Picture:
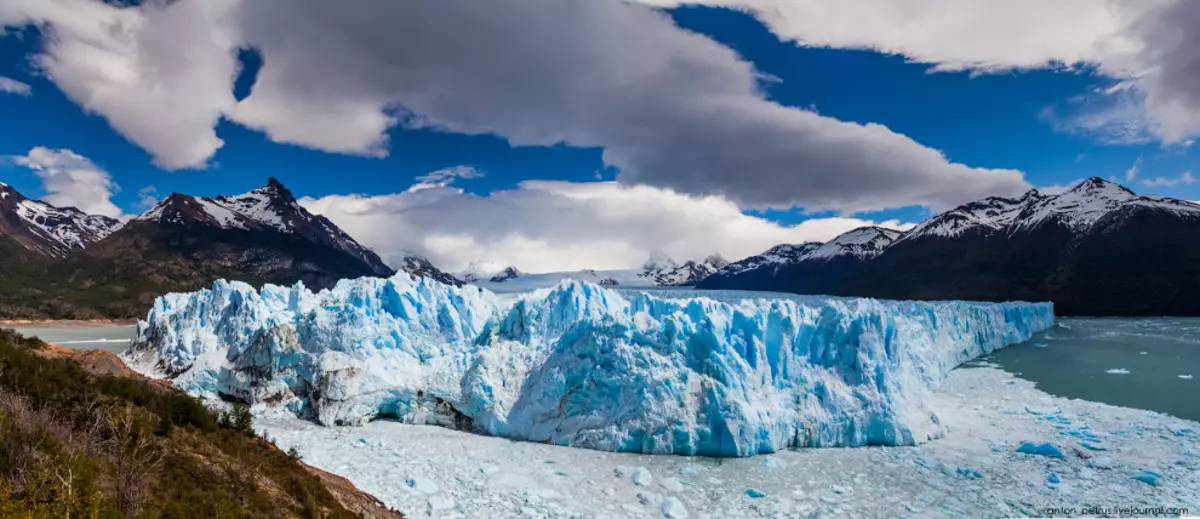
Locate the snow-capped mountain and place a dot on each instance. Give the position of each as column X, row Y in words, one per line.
column 1096, row 249
column 664, row 272
column 772, row 259
column 1078, row 209
column 420, row 266
column 268, row 209
column 862, row 243
column 48, row 230
column 658, row 271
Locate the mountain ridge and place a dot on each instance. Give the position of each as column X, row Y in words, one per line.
column 1034, row 248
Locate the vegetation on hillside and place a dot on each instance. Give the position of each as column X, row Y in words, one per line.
column 77, row 445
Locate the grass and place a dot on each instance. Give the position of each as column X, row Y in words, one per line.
column 76, row 445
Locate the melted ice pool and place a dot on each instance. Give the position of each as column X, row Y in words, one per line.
column 1147, row 363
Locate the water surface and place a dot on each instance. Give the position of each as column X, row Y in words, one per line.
column 114, row 338
column 1140, row 362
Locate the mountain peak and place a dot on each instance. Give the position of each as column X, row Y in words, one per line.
column 1096, row 185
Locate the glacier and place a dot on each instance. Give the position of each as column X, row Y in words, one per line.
column 579, row 364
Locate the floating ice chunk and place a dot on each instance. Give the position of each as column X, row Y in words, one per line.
column 773, row 462
column 1185, row 377
column 671, row 484
column 688, row 471
column 1041, row 449
column 641, row 477
column 422, row 484
column 439, row 504
column 1052, row 480
column 673, row 508
column 1143, row 353
column 755, row 493
column 1102, row 462
column 1117, row 371
column 1091, row 446
column 1148, row 477
column 1040, row 345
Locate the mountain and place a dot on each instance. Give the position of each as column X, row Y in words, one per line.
column 48, row 230
column 186, row 242
column 1097, row 249
column 664, row 272
column 813, row 267
column 420, row 266
column 659, row 270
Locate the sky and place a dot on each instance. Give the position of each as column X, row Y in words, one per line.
column 556, row 135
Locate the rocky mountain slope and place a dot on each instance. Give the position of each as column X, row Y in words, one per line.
column 186, row 242
column 1097, row 249
column 48, row 230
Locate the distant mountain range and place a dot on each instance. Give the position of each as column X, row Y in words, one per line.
column 67, row 264
column 1097, row 249
column 658, row 271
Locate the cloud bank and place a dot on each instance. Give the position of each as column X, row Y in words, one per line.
column 671, row 108
column 546, row 226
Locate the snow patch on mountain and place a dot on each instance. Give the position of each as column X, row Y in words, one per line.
column 659, row 270
column 55, row 231
column 579, row 364
column 773, row 258
column 861, row 243
column 1078, row 209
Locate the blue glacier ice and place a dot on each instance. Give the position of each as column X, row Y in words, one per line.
column 581, row 365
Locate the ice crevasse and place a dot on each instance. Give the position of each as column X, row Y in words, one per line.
column 579, row 364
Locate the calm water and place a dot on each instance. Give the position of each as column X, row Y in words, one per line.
column 84, row 337
column 1138, row 363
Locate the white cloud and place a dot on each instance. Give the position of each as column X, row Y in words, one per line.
column 1150, row 46
column 11, row 86
column 670, row 108
column 1132, row 172
column 446, row 177
column 545, row 226
column 147, row 197
column 71, row 180
column 161, row 74
column 1183, row 178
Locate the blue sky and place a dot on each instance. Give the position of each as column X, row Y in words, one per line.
column 1007, row 120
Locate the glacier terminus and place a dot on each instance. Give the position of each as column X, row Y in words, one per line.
column 581, row 365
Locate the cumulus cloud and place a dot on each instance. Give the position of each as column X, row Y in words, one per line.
column 71, row 180
column 1151, row 47
column 547, row 226
column 160, row 73
column 670, row 108
column 11, row 86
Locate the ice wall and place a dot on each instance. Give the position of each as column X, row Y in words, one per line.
column 579, row 364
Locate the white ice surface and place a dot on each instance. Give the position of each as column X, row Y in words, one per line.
column 988, row 413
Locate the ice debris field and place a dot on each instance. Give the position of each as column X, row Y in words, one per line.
column 581, row 365
column 1084, row 454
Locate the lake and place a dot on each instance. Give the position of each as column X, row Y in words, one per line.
column 1146, row 363
column 114, row 338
